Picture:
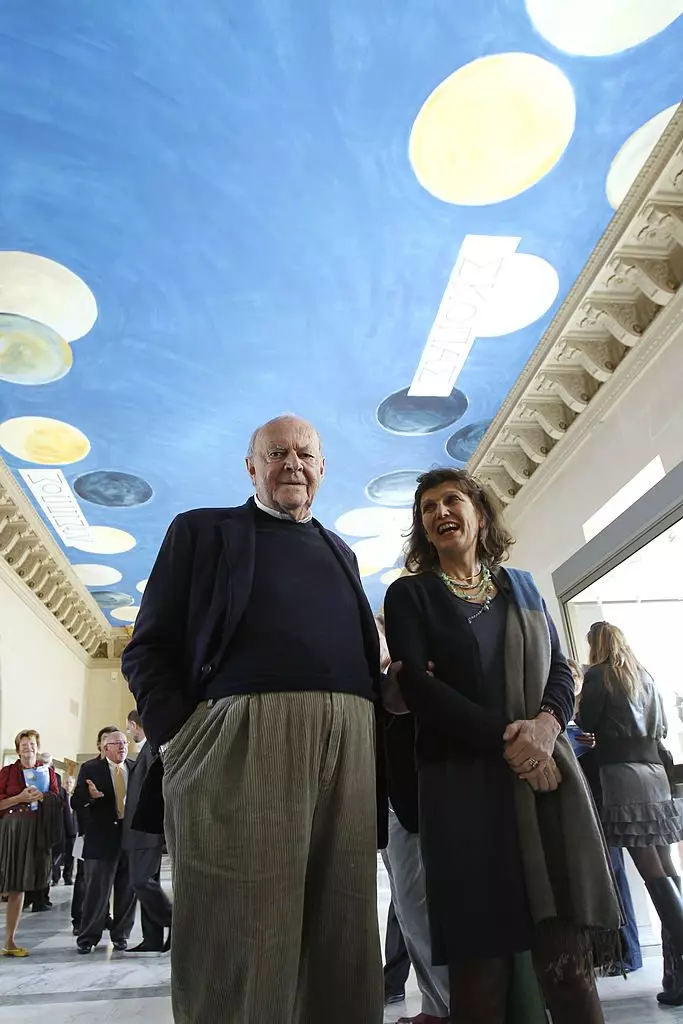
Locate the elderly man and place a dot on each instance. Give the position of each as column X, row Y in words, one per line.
column 255, row 665
column 101, row 793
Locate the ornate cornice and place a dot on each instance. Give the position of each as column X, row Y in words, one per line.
column 34, row 566
column 625, row 307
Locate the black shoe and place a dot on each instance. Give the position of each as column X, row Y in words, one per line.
column 121, row 946
column 68, row 881
column 144, row 950
column 391, row 998
column 85, row 947
column 40, row 907
column 167, row 944
column 75, row 930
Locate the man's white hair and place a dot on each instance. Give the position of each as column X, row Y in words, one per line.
column 253, row 441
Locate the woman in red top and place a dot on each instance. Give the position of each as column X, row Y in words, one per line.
column 24, row 865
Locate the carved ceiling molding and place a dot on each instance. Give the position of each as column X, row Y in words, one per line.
column 624, row 309
column 36, row 569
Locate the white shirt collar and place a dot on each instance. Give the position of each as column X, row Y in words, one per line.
column 280, row 515
column 113, row 766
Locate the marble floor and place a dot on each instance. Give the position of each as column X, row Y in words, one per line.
column 58, row 986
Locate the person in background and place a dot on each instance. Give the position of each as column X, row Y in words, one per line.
column 584, row 747
column 28, row 818
column 403, row 859
column 63, row 864
column 144, row 851
column 40, row 901
column 580, row 741
column 621, row 705
column 79, row 821
column 396, row 961
column 101, row 791
column 513, row 853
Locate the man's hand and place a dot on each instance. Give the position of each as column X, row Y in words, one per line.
column 94, row 792
column 544, row 779
column 528, row 743
column 392, row 698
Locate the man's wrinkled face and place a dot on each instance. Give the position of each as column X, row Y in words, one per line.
column 287, row 466
column 115, row 747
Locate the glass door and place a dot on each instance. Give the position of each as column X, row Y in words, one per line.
column 643, row 596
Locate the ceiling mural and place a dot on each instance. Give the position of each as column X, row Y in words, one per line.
column 364, row 213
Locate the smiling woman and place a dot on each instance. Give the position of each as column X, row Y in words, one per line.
column 493, row 766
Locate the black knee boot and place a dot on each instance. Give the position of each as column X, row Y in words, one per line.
column 665, row 894
column 672, row 977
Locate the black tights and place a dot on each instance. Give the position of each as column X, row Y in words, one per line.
column 479, row 989
column 653, row 862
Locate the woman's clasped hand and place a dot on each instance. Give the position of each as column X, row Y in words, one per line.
column 529, row 747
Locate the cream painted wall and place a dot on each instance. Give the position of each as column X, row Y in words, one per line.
column 42, row 682
column 646, row 422
column 108, row 702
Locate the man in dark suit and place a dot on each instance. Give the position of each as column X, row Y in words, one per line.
column 144, row 851
column 79, row 822
column 63, row 860
column 101, row 791
column 255, row 666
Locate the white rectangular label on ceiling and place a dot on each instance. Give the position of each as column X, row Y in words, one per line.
column 52, row 492
column 468, row 292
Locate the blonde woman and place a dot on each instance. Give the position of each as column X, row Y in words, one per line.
column 621, row 705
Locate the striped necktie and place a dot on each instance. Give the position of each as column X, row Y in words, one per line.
column 119, row 790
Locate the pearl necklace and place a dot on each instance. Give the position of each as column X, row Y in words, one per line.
column 481, row 592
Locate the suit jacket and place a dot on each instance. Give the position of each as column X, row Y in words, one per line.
column 133, row 839
column 195, row 597
column 70, row 827
column 101, row 824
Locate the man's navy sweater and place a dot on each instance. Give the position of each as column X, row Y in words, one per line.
column 301, row 629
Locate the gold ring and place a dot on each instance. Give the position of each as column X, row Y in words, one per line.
column 533, row 764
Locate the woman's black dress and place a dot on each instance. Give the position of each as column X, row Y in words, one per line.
column 468, row 831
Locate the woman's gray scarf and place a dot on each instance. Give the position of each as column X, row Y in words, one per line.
column 592, row 895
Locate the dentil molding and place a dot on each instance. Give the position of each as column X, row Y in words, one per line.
column 624, row 309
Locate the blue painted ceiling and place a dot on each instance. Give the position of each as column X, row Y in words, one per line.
column 232, row 182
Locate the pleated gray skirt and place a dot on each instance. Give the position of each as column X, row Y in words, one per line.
column 637, row 806
column 23, row 867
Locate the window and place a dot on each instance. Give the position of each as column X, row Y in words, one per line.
column 623, row 499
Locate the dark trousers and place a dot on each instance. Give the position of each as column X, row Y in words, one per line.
column 77, row 898
column 101, row 877
column 155, row 906
column 37, row 898
column 63, row 861
column 397, row 961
